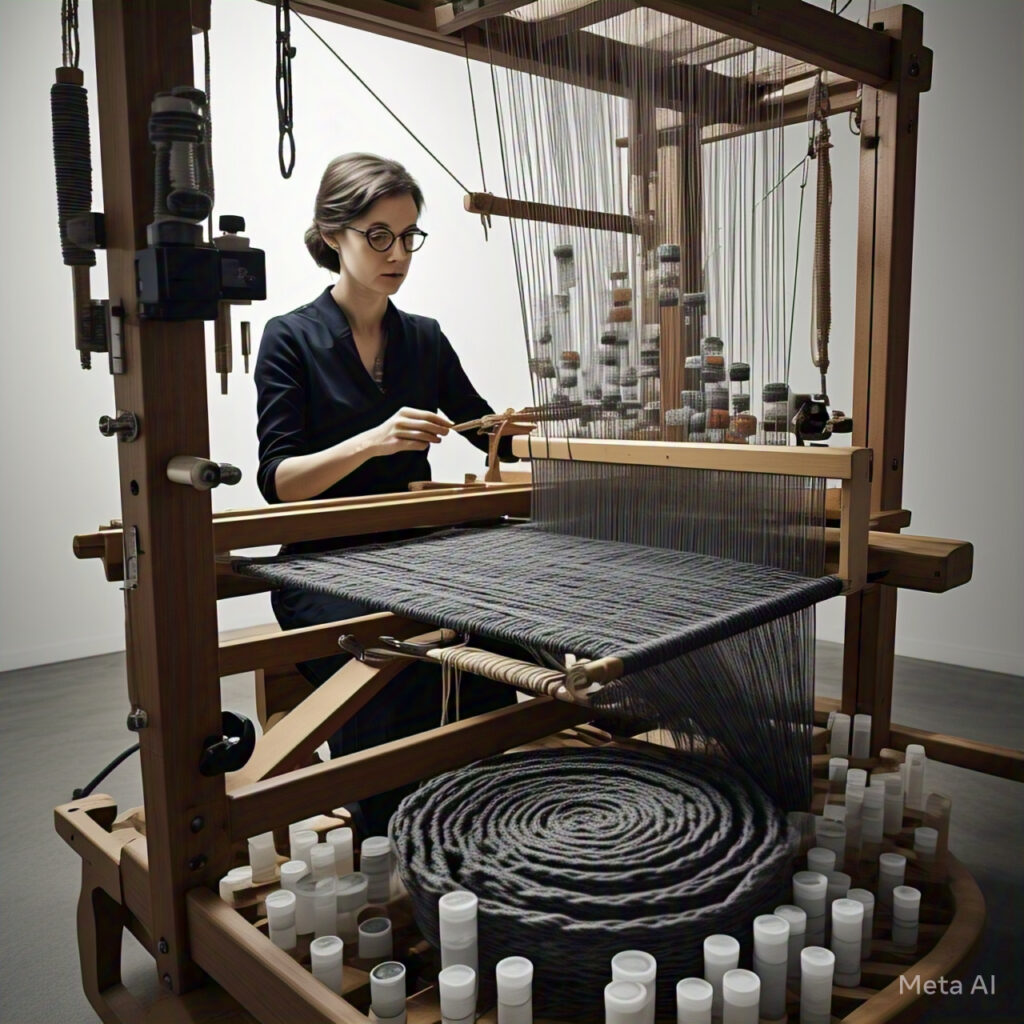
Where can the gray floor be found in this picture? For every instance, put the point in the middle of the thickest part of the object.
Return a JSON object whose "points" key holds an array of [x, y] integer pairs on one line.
{"points": [[60, 723]]}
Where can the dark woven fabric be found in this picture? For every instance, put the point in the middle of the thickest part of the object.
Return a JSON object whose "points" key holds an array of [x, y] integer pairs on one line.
{"points": [[559, 593], [576, 855]]}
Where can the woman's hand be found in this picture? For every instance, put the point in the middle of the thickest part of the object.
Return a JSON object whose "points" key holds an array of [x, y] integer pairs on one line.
{"points": [[408, 430]]}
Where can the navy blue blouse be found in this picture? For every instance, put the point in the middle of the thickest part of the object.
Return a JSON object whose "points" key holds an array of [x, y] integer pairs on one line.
{"points": [[312, 391]]}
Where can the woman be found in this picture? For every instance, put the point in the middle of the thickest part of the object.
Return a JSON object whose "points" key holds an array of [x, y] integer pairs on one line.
{"points": [[348, 393]]}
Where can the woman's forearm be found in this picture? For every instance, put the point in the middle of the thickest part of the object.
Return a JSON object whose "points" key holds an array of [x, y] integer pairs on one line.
{"points": [[305, 476]]}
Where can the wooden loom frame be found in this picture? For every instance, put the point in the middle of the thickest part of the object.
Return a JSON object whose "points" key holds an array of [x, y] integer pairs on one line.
{"points": [[159, 886]]}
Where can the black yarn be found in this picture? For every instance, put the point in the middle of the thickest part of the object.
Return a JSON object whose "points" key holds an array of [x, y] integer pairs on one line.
{"points": [[73, 165], [576, 855]]}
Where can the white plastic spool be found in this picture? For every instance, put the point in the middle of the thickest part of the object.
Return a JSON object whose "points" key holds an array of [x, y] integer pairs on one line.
{"points": [[817, 966], [456, 912], [839, 737], [821, 859], [867, 900], [300, 842], [375, 939], [350, 891], [624, 1002], [291, 872], [892, 869], [906, 910], [263, 858], [830, 834], [771, 958], [847, 930], [741, 996], [860, 746], [305, 905], [810, 891], [838, 886], [893, 811], [375, 863], [281, 919], [325, 907], [721, 954], [321, 861], [796, 918], [514, 978], [914, 770], [233, 882], [872, 814], [926, 843], [387, 992], [635, 965], [694, 997], [837, 769], [326, 961], [344, 862], [457, 989]]}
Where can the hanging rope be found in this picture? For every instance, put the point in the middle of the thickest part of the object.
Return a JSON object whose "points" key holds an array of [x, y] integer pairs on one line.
{"points": [[285, 122], [419, 142], [69, 33], [206, 151], [818, 113]]}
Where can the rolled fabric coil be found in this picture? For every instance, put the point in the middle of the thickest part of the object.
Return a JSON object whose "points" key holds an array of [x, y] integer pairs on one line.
{"points": [[668, 253], [695, 300], [714, 360], [610, 339], [542, 368], [621, 314], [622, 296], [619, 275], [712, 374], [712, 346], [718, 419], [668, 296], [544, 338], [677, 417], [576, 870], [563, 251], [698, 422], [692, 400], [731, 437], [739, 371], [571, 360]]}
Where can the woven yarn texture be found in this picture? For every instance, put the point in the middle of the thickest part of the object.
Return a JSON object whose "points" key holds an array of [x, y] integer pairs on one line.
{"points": [[524, 585], [576, 855]]}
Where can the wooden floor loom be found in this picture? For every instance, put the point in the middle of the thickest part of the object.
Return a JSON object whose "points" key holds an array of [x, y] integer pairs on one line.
{"points": [[159, 879]]}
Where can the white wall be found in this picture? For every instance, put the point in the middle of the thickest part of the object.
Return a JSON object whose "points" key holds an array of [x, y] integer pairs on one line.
{"points": [[966, 353]]}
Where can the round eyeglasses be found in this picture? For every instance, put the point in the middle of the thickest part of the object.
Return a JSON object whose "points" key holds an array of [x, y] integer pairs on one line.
{"points": [[382, 239]]}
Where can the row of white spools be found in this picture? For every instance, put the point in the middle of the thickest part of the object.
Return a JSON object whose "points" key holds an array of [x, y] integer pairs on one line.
{"points": [[322, 896]]}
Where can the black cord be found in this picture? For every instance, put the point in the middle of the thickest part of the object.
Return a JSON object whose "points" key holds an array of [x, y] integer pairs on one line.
{"points": [[78, 794], [69, 32], [285, 122]]}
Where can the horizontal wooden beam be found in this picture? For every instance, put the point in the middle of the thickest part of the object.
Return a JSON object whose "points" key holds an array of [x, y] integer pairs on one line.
{"points": [[273, 647], [795, 29], [833, 463], [285, 798], [485, 203], [1004, 762]]}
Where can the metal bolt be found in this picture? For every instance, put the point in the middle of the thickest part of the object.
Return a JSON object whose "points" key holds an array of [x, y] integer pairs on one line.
{"points": [[197, 863], [162, 946], [894, 465], [914, 70], [166, 980], [196, 824]]}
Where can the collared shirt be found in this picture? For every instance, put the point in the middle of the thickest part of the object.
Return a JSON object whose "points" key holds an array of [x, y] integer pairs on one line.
{"points": [[313, 391]]}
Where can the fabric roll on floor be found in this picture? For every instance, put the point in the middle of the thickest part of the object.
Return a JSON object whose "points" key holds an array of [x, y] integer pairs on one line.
{"points": [[576, 855]]}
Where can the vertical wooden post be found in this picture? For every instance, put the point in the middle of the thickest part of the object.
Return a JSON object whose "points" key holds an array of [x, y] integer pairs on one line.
{"points": [[889, 122], [680, 202], [142, 47]]}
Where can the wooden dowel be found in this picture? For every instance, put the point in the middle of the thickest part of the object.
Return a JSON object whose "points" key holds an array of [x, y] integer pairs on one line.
{"points": [[485, 204]]}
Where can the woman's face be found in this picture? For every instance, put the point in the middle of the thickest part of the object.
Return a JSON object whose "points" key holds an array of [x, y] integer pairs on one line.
{"points": [[379, 272]]}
